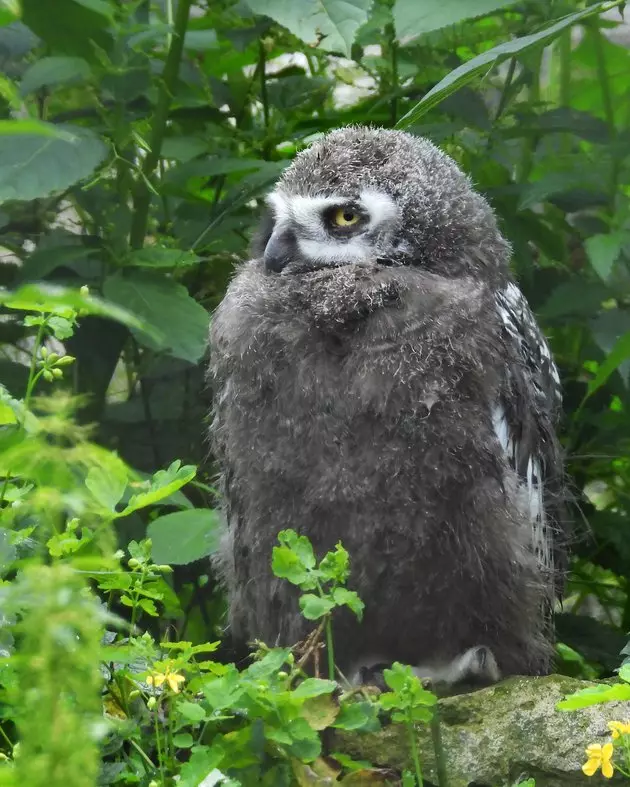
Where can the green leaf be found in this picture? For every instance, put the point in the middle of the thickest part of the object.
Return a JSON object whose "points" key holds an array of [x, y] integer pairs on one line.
{"points": [[160, 257], [314, 607], [285, 564], [269, 665], [184, 536], [39, 159], [335, 22], [596, 695], [321, 711], [348, 598], [313, 687], [300, 545], [77, 27], [619, 353], [51, 71], [415, 17], [335, 565], [63, 302], [603, 251], [191, 711], [179, 321], [183, 740], [108, 484], [465, 73], [201, 40], [358, 716], [624, 673], [161, 486]]}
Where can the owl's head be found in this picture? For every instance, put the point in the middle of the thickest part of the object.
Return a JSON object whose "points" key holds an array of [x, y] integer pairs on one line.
{"points": [[364, 196]]}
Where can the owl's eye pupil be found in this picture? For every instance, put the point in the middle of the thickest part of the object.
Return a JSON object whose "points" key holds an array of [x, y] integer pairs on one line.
{"points": [[348, 216]]}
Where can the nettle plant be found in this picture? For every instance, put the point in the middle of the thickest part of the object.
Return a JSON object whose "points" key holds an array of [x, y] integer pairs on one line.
{"points": [[90, 690]]}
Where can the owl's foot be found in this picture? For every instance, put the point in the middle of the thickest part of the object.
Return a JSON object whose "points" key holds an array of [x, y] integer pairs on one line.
{"points": [[473, 668]]}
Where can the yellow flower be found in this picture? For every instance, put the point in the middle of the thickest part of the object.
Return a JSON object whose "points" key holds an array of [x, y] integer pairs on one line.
{"points": [[599, 757], [173, 679], [619, 728]]}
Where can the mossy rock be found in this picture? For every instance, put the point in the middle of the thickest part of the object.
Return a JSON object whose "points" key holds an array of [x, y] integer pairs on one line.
{"points": [[494, 736]]}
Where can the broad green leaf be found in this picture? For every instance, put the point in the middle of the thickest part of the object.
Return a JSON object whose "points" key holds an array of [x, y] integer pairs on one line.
{"points": [[51, 71], [313, 687], [624, 673], [184, 536], [320, 711], [465, 73], [108, 483], [77, 27], [191, 711], [332, 24], [270, 664], [603, 251], [619, 692], [30, 127], [34, 164], [619, 353], [554, 183], [63, 301], [161, 486], [179, 321], [159, 257], [46, 259], [10, 11], [313, 607], [300, 545], [201, 40], [415, 17]]}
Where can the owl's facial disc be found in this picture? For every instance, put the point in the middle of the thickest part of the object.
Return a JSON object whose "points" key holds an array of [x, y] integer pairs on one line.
{"points": [[318, 232]]}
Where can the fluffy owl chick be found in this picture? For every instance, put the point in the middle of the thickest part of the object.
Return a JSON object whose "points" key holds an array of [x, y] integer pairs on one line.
{"points": [[379, 380]]}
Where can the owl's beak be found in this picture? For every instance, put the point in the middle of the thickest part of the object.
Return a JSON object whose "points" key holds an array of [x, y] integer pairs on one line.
{"points": [[281, 248]]}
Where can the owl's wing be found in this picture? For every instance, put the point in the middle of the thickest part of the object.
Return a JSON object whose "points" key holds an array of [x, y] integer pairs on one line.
{"points": [[524, 419]]}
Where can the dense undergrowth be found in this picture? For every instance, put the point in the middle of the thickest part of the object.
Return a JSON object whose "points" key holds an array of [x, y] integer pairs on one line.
{"points": [[136, 139]]}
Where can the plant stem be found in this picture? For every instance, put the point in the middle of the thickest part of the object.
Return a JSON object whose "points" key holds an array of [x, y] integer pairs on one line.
{"points": [[330, 653], [158, 745], [413, 745], [32, 375], [609, 110], [438, 748], [142, 194], [392, 45]]}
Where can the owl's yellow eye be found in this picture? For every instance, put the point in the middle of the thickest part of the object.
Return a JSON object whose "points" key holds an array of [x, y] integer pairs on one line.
{"points": [[345, 217]]}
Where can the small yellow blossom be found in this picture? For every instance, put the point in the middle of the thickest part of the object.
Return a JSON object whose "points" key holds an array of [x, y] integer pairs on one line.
{"points": [[619, 728], [599, 757], [173, 679]]}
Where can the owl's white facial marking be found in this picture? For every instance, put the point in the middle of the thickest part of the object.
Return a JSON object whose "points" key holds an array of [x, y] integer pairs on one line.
{"points": [[318, 240]]}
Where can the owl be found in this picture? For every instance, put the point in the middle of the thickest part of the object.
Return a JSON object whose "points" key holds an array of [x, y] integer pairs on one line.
{"points": [[379, 379]]}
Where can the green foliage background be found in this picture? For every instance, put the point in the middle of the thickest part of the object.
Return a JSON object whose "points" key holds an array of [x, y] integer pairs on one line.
{"points": [[136, 141]]}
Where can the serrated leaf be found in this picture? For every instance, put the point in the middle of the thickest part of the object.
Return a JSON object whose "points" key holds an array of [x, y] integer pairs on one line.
{"points": [[331, 23], [285, 564], [45, 159], [604, 250], [179, 321], [162, 485], [415, 17], [313, 607], [348, 598], [465, 73], [52, 71], [184, 536], [358, 716]]}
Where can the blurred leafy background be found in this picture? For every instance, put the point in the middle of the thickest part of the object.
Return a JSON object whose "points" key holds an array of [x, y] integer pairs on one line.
{"points": [[137, 139]]}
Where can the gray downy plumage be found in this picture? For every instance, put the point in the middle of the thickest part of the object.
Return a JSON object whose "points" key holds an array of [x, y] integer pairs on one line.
{"points": [[379, 380]]}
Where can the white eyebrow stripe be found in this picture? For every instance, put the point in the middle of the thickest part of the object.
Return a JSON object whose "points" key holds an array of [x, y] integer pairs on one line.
{"points": [[307, 211]]}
